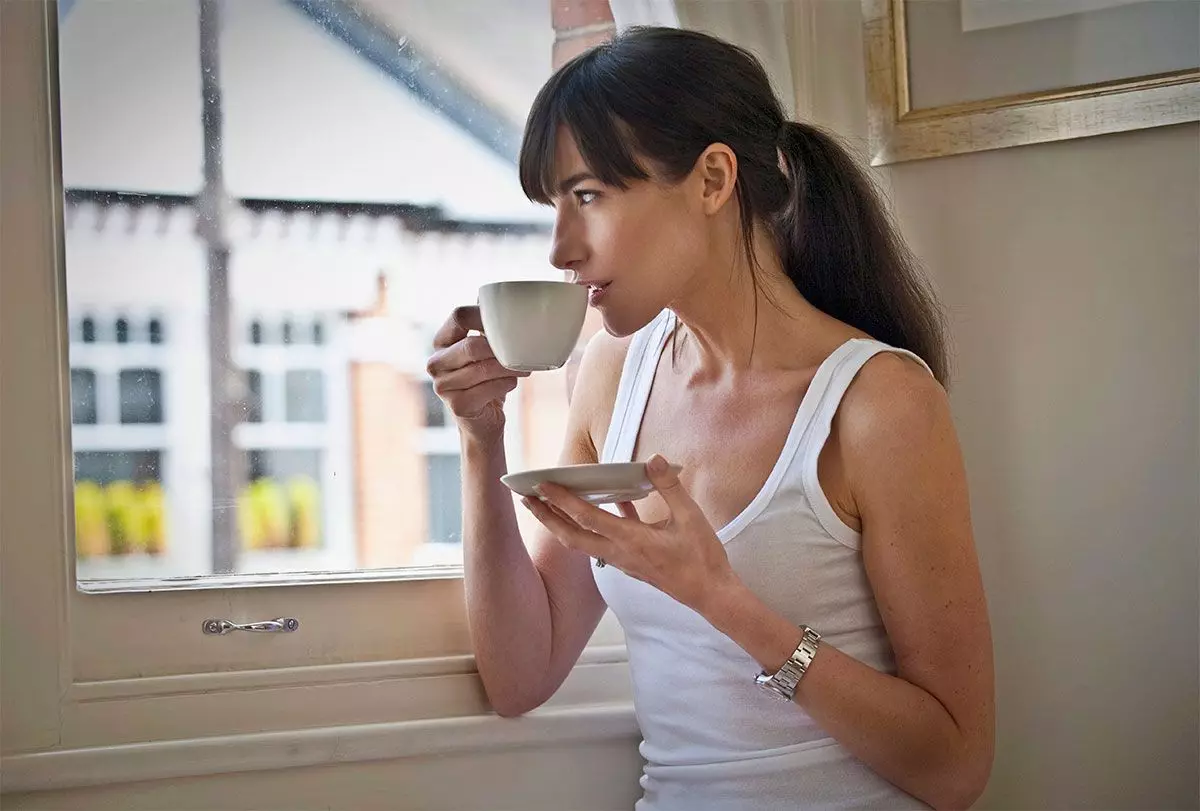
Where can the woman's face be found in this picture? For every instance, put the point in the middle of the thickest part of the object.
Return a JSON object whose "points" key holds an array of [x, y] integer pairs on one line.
{"points": [[636, 249]]}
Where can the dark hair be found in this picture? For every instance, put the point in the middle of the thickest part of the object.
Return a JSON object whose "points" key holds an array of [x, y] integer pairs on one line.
{"points": [[667, 94]]}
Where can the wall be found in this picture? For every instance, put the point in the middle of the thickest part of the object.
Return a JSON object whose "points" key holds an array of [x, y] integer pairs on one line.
{"points": [[581, 776], [1071, 275]]}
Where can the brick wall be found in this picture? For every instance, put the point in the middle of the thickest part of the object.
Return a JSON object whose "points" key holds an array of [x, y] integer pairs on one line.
{"points": [[579, 25], [390, 486]]}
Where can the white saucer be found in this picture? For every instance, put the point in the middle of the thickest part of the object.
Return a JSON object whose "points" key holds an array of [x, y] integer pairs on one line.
{"points": [[596, 484]]}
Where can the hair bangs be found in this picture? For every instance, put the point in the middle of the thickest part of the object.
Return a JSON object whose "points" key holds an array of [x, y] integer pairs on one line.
{"points": [[576, 99]]}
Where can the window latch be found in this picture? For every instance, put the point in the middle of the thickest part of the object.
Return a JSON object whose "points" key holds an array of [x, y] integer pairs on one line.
{"points": [[282, 625]]}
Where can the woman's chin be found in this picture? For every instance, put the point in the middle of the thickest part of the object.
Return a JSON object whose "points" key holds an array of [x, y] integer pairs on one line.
{"points": [[621, 323]]}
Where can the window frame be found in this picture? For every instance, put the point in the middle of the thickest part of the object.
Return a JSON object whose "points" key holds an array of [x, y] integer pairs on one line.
{"points": [[396, 640]]}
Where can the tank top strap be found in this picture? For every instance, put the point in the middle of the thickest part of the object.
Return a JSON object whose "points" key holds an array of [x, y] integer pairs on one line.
{"points": [[633, 391], [855, 355]]}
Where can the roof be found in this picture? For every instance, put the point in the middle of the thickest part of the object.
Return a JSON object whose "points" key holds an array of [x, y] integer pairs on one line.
{"points": [[251, 213]]}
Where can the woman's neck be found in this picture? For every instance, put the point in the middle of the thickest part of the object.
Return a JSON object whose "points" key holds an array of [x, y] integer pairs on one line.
{"points": [[737, 320]]}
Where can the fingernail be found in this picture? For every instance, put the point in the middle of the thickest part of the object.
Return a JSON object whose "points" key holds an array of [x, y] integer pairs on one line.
{"points": [[537, 488], [657, 464]]}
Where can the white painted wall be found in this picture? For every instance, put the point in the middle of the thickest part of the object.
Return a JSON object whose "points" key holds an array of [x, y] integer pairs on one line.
{"points": [[1071, 275], [581, 776]]}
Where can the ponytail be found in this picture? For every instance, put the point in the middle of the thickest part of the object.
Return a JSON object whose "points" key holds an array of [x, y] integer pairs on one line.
{"points": [[841, 251]]}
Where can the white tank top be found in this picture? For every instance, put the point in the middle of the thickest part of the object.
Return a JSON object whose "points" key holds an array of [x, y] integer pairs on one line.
{"points": [[712, 739]]}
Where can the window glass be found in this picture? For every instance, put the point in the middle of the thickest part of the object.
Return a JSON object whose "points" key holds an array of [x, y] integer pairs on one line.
{"points": [[267, 217], [83, 397], [141, 396]]}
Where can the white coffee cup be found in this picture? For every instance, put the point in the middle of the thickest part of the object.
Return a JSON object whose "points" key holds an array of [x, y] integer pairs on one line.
{"points": [[532, 325]]}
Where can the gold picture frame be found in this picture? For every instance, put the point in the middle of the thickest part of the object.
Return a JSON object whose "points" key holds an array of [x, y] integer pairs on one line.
{"points": [[897, 133]]}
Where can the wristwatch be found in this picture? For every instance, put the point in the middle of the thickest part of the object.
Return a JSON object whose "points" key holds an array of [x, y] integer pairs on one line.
{"points": [[783, 683]]}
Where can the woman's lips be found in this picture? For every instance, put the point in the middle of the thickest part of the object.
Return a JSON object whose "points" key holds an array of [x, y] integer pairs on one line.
{"points": [[596, 291]]}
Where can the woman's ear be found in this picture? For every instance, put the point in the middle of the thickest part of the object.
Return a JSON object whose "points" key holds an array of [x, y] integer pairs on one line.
{"points": [[717, 168]]}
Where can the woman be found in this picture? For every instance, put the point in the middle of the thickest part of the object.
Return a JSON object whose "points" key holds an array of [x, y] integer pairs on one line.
{"points": [[765, 328]]}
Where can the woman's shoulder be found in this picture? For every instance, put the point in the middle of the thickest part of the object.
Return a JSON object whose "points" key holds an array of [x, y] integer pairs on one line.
{"points": [[893, 400]]}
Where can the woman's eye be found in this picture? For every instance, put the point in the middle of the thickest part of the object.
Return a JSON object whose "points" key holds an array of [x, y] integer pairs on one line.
{"points": [[584, 197]]}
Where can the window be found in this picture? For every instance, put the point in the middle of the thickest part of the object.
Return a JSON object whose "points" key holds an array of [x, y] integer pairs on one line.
{"points": [[132, 251], [305, 395], [435, 409], [294, 394], [119, 504], [294, 447], [252, 411], [83, 397], [445, 498], [281, 507], [122, 446], [141, 396]]}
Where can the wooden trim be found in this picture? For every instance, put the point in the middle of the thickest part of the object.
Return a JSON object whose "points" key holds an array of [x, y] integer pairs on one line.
{"points": [[250, 581], [162, 708], [896, 132], [209, 683], [899, 26], [129, 763], [1180, 77], [33, 479]]}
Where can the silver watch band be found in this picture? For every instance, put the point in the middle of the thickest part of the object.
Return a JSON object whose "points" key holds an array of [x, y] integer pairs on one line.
{"points": [[783, 683]]}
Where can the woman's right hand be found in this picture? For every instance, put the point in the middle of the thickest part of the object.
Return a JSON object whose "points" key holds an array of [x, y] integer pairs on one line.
{"points": [[467, 376]]}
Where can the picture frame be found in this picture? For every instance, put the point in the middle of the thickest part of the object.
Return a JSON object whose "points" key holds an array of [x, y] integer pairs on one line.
{"points": [[900, 131]]}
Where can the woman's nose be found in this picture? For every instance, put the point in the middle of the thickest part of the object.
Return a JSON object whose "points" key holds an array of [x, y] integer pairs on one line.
{"points": [[566, 247]]}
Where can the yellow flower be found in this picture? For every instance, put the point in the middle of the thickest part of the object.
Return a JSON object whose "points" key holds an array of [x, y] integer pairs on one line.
{"points": [[154, 517], [91, 526], [304, 498], [124, 518]]}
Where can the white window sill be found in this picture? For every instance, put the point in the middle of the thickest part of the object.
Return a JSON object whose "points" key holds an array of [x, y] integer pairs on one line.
{"points": [[137, 762], [318, 578]]}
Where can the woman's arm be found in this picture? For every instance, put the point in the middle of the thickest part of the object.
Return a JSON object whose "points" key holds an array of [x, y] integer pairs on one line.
{"points": [[928, 729], [530, 609]]}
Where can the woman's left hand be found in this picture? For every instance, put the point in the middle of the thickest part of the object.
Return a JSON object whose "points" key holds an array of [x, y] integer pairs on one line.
{"points": [[680, 555]]}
